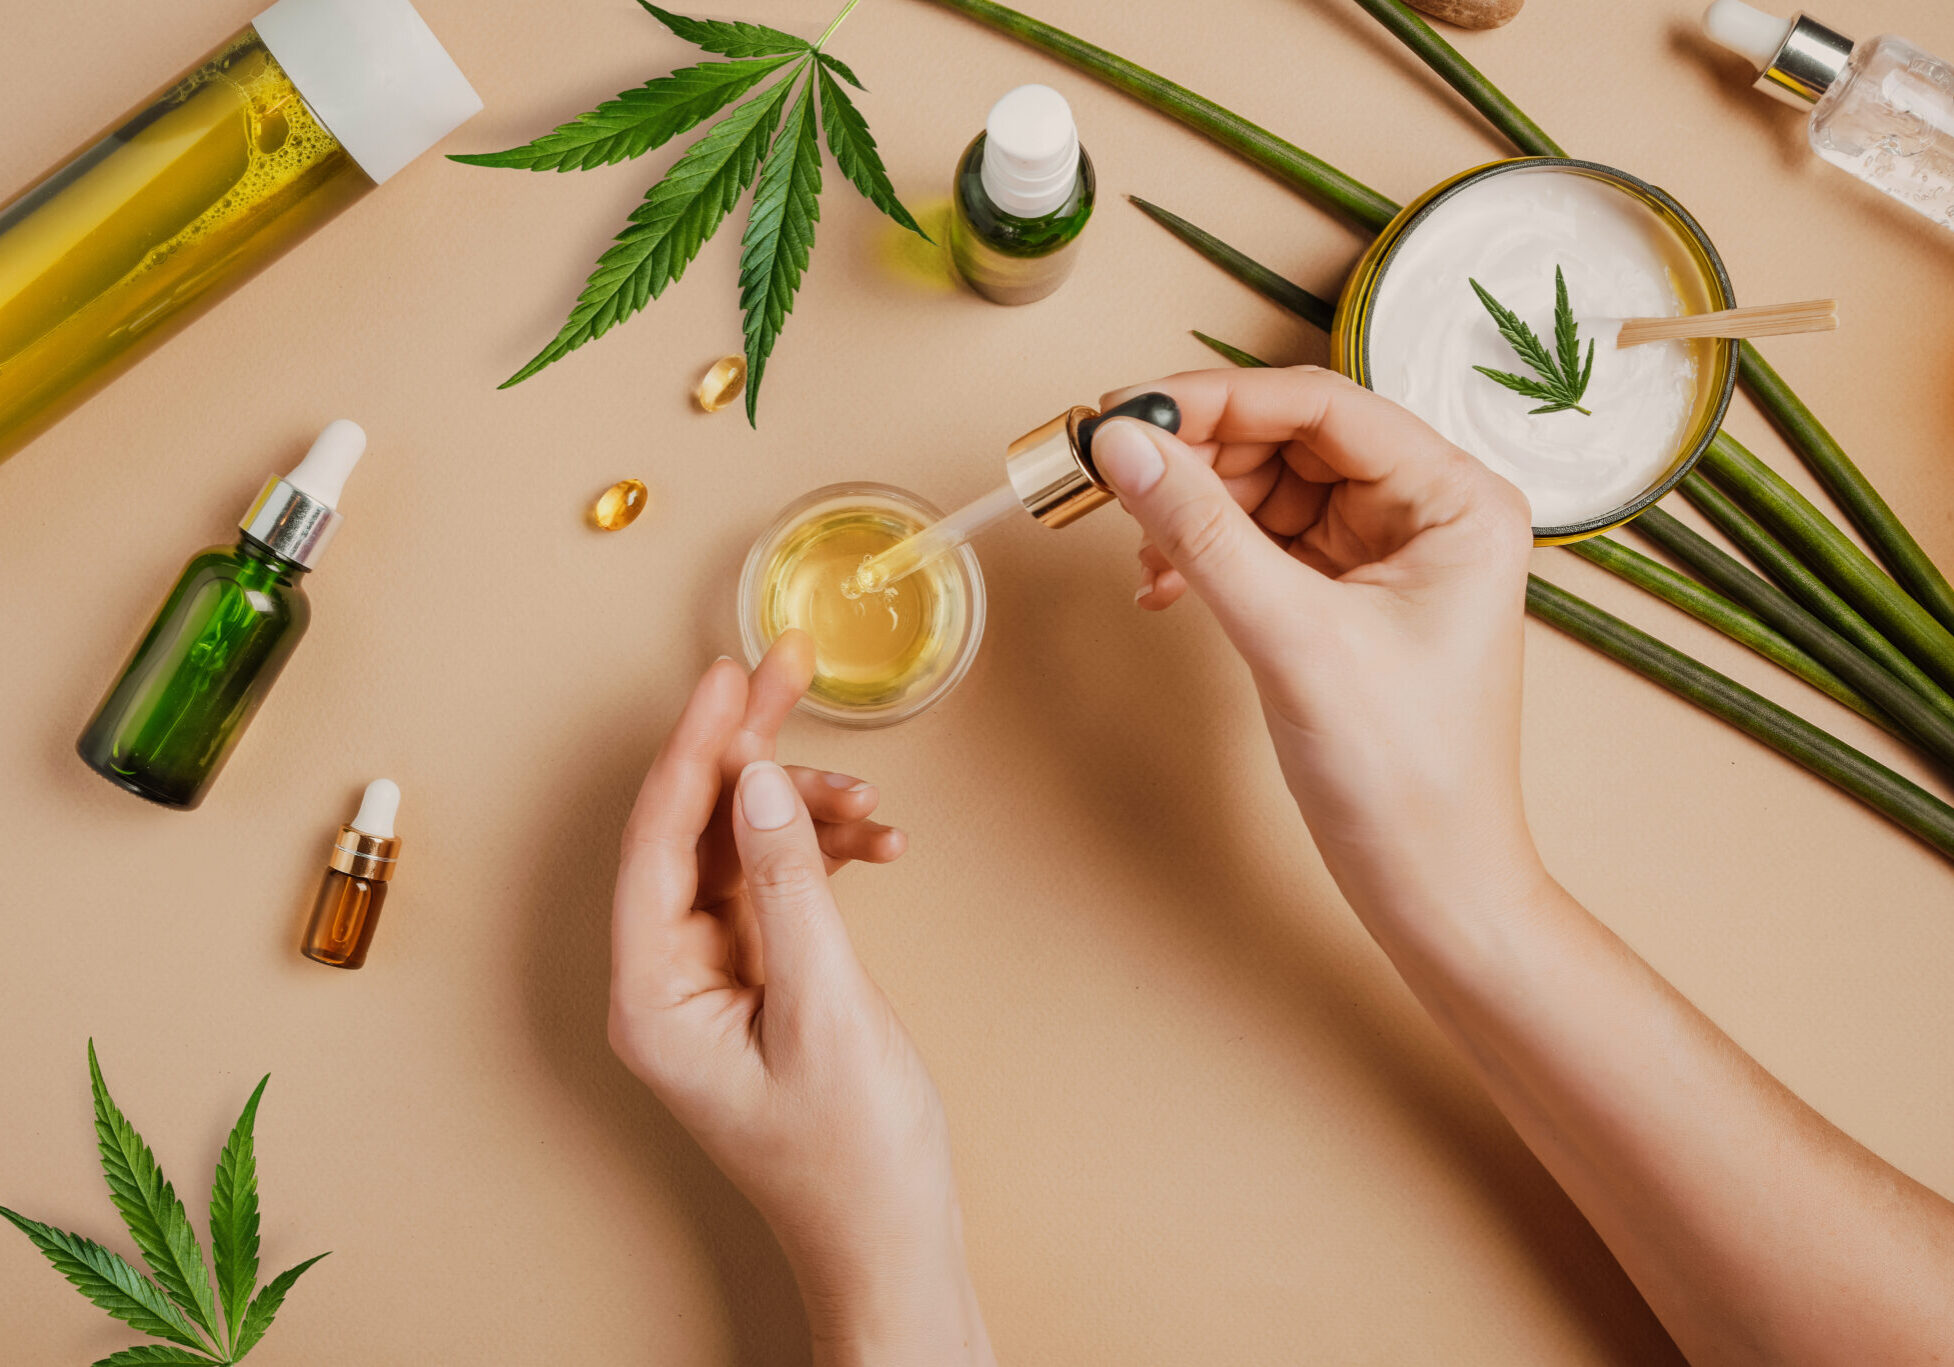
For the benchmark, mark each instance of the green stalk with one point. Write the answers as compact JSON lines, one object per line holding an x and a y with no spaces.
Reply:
{"x":1714,"y":610}
{"x":1277,"y":289}
{"x":1289,"y":163}
{"x":1922,"y":720}
{"x":1815,"y":446}
{"x":1234,"y":355}
{"x":1463,"y":77}
{"x":1904,"y":803}
{"x":1818,"y":598}
{"x":1790,"y":516}
{"x":1823,"y":456}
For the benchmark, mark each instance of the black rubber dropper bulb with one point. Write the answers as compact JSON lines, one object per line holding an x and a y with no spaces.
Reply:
{"x":1153,"y":407}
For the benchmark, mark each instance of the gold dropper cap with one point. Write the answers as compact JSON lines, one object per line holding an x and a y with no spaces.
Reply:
{"x":360,"y":855}
{"x":1050,"y":467}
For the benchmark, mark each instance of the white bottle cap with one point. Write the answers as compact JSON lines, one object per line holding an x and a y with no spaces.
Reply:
{"x":322,"y":474}
{"x":1746,"y":30}
{"x":373,"y":73}
{"x":378,"y":807}
{"x":1031,"y":152}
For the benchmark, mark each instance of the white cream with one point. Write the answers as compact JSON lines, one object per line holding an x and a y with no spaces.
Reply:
{"x":1508,"y":231}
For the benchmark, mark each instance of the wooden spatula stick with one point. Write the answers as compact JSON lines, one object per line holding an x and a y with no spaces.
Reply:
{"x":1759,"y":320}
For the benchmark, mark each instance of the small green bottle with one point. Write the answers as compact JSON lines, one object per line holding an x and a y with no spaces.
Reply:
{"x":1022,"y":196}
{"x":217,"y":644}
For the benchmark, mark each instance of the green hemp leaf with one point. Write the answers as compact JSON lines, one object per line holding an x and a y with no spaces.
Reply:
{"x":1563,"y":379}
{"x":178,"y":1304}
{"x":751,"y":147}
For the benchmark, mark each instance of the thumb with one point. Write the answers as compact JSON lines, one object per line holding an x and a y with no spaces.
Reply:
{"x":1189,"y":516}
{"x":802,"y":939}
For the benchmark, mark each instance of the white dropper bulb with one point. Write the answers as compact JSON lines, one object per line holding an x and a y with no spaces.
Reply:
{"x":379,"y":805}
{"x":322,"y":474}
{"x":1747,"y":30}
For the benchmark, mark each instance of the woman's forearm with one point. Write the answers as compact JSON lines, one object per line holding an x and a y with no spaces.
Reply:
{"x":1757,"y":1231}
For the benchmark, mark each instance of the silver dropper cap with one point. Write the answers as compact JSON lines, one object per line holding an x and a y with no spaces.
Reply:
{"x":1806,"y":64}
{"x":295,"y":515}
{"x":290,"y":523}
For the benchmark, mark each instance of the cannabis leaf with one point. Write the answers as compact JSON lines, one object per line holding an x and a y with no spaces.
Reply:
{"x":1563,"y":378}
{"x":179,"y":1302}
{"x":150,"y":1207}
{"x":234,"y":1212}
{"x":636,"y":121}
{"x":728,"y":37}
{"x":682,"y":211}
{"x":107,"y":1279}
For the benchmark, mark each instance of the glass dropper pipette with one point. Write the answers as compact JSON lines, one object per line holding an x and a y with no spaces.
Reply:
{"x":1049,"y":474}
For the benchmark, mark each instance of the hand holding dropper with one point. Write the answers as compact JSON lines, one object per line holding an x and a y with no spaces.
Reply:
{"x":1048,"y":473}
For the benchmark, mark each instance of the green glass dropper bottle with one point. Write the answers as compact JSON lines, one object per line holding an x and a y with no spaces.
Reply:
{"x":235,"y":616}
{"x":1022,"y":196}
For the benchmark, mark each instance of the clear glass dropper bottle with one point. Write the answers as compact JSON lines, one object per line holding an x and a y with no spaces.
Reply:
{"x":1881,"y":109}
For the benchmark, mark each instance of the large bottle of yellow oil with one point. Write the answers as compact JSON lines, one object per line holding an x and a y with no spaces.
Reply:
{"x":191,"y":193}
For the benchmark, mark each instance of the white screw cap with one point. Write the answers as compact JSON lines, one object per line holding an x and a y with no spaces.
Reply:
{"x":1746,"y":30}
{"x":374,"y":73}
{"x":378,"y":807}
{"x":1031,"y":152}
{"x":322,"y":474}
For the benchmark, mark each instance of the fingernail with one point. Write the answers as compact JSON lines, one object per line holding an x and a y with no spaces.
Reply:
{"x":844,"y":782}
{"x":1153,"y":582}
{"x":1128,"y":459}
{"x":767,"y":797}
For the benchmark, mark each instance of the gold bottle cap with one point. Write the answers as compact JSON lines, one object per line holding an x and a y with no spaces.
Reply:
{"x":359,"y":855}
{"x":1050,"y":476}
{"x":367,"y":846}
{"x":1051,"y":469}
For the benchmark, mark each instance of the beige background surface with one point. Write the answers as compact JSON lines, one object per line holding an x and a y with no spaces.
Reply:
{"x":1197,"y":1119}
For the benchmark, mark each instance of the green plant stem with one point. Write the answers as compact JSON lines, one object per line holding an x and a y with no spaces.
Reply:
{"x":834,"y":24}
{"x":1870,"y":513}
{"x":1411,"y":30}
{"x":1792,"y":519}
{"x":1816,"y":447}
{"x":1278,"y":289}
{"x":1234,"y":355}
{"x":1902,"y":802}
{"x":1350,"y":198}
{"x":1716,"y":611}
{"x":1795,"y":578}
{"x":1724,"y":572}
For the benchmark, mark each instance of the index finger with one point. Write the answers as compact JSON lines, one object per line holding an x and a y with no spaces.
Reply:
{"x":1309,"y":412}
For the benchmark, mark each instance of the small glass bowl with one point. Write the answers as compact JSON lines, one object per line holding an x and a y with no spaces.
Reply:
{"x":958,"y":581}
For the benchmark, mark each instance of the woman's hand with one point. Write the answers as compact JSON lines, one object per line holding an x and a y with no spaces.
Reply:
{"x":736,"y":996}
{"x":1373,"y":576}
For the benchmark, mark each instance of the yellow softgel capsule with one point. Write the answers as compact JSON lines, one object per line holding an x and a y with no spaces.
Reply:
{"x":722,"y":384}
{"x":618,"y":506}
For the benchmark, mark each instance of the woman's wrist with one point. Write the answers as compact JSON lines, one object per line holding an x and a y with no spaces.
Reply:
{"x":892,"y":1299}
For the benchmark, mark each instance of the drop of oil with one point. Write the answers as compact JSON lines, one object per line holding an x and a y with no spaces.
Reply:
{"x":618,"y":506}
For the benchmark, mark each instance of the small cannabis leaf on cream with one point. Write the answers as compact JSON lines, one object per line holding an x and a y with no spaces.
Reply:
{"x":686,"y":207}
{"x":178,"y":1305}
{"x":1563,"y":377}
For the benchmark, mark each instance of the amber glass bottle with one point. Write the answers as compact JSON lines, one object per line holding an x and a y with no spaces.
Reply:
{"x":347,"y":910}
